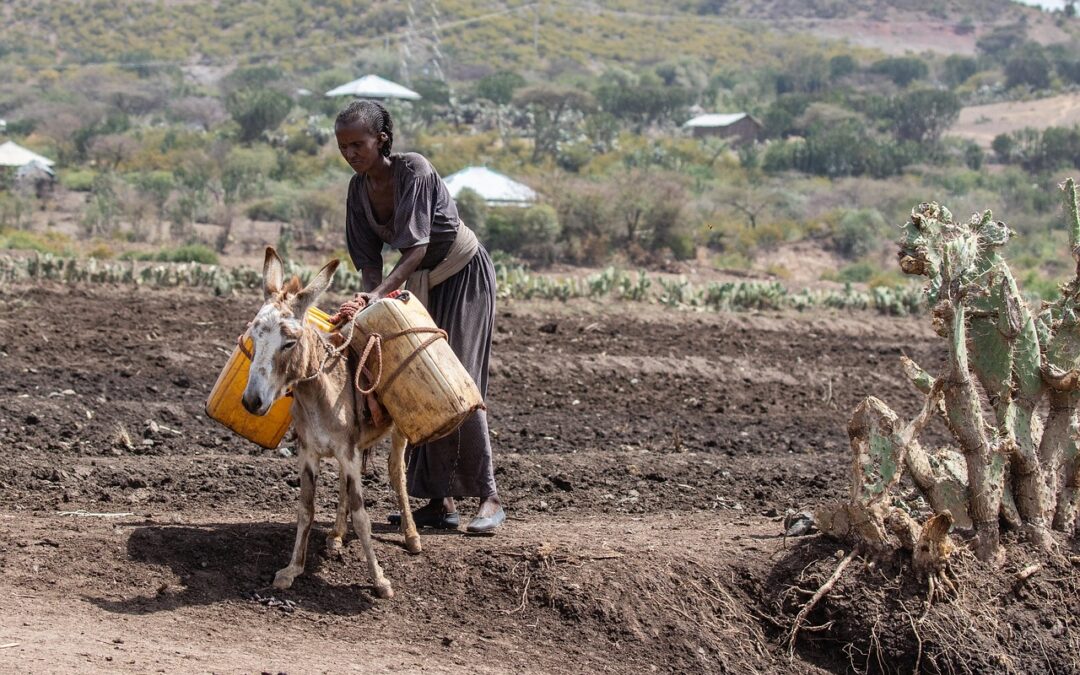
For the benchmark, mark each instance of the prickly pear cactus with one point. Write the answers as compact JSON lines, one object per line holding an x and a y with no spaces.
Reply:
{"x":1019,"y":469}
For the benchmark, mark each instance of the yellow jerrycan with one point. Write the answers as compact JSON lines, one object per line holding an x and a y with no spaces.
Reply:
{"x":416,"y":375}
{"x":224,"y":403}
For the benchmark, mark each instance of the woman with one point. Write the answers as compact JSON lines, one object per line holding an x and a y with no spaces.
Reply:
{"x":399,"y":200}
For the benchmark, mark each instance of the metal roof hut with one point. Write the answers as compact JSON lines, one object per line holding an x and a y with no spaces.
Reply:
{"x":22,"y":168}
{"x":13,"y":154}
{"x":373,"y":86}
{"x":495,"y":188}
{"x":740,"y":127}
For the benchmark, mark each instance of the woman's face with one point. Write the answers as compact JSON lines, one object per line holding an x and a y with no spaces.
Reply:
{"x":359,"y":146}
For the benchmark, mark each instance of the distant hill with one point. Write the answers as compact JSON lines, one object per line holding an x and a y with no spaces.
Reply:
{"x":468,"y":38}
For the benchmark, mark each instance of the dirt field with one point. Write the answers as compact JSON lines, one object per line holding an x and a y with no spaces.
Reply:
{"x":647,"y":459}
{"x":981,"y":123}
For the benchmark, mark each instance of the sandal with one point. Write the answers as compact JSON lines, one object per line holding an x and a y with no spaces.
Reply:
{"x":430,"y":516}
{"x":486,"y":525}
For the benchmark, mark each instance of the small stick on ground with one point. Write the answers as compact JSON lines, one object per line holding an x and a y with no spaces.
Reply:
{"x":88,"y":514}
{"x":821,"y":593}
{"x":10,"y":645}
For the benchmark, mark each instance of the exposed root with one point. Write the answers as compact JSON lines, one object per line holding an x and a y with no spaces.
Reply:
{"x":821,"y":593}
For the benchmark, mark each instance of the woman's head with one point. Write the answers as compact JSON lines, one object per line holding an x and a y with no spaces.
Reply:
{"x":365,"y":132}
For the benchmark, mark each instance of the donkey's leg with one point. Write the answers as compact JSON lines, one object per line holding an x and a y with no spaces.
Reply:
{"x":396,"y":468}
{"x":309,"y":470}
{"x":341,"y":523}
{"x":350,"y":468}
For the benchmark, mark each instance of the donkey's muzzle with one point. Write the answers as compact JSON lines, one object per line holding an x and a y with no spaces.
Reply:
{"x":253,"y":404}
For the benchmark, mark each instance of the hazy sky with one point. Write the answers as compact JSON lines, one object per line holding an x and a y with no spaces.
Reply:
{"x":1046,"y":4}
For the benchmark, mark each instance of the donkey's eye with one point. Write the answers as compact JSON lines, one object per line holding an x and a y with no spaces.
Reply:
{"x":289,"y":344}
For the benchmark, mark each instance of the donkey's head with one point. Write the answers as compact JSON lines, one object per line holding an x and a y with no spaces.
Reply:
{"x":281,"y":353}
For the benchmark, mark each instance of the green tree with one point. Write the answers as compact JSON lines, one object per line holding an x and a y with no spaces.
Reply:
{"x":499,"y":87}
{"x":1003,"y":146}
{"x":551,"y":107}
{"x":973,"y":156}
{"x":1028,"y":67}
{"x":923,"y":115}
{"x":841,"y":66}
{"x":256,"y":111}
{"x":902,"y":70}
{"x":999,"y":43}
{"x":644,"y":99}
{"x":957,"y":69}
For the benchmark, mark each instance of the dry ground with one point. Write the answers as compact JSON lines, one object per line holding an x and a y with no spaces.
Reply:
{"x":981,"y":123}
{"x":647,"y":458}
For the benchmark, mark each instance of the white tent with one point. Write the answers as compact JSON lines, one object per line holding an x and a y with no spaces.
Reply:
{"x":13,"y":154}
{"x":373,"y":86}
{"x":494,"y":187}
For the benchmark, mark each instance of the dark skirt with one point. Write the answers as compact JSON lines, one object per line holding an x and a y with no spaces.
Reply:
{"x":459,"y":465}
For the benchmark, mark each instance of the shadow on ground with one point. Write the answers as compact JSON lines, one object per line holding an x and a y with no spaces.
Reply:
{"x":218,"y":563}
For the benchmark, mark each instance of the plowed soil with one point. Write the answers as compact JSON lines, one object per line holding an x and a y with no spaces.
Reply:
{"x":647,"y":458}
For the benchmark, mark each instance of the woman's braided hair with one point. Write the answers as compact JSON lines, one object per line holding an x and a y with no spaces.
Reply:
{"x":372,"y":116}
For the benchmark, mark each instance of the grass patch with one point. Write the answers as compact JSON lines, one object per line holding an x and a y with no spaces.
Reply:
{"x":47,"y":242}
{"x":197,"y":253}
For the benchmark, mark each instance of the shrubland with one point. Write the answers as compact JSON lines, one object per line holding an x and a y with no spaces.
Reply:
{"x":178,"y":124}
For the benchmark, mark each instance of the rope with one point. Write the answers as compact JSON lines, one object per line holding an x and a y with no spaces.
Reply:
{"x":243,"y":346}
{"x":375,"y":341}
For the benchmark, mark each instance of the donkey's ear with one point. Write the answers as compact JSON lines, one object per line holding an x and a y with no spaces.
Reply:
{"x":273,"y":273}
{"x":313,"y":290}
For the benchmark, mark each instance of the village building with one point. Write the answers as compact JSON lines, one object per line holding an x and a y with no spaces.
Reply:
{"x":495,"y":188}
{"x":22,"y":167}
{"x":373,"y":86}
{"x":739,"y":127}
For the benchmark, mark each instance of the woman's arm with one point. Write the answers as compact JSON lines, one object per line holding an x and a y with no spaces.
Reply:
{"x":409,"y":262}
{"x":372,"y":277}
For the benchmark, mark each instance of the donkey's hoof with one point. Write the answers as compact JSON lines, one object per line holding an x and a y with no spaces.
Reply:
{"x":333,"y":544}
{"x":383,"y":589}
{"x":412,"y":544}
{"x":284,"y":578}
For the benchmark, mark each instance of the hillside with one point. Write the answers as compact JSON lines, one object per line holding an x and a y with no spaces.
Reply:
{"x":470,"y":37}
{"x":981,"y":123}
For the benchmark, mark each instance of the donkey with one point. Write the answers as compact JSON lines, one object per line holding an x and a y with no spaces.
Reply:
{"x":289,"y":354}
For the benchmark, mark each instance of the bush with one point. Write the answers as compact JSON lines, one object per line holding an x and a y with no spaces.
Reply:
{"x":957,"y":69}
{"x":101,"y":252}
{"x":78,"y":180}
{"x":902,"y":70}
{"x":278,"y":209}
{"x":860,"y":272}
{"x":1029,"y":67}
{"x":473,"y":211}
{"x":973,"y":156}
{"x":857,"y":233}
{"x":528,"y":232}
{"x":842,"y":65}
{"x":49,"y":242}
